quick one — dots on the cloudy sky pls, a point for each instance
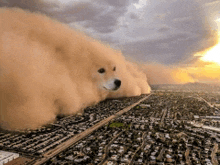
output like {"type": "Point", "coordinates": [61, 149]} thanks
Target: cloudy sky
{"type": "Point", "coordinates": [169, 32]}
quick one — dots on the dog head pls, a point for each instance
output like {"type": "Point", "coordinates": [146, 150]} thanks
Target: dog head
{"type": "Point", "coordinates": [108, 80]}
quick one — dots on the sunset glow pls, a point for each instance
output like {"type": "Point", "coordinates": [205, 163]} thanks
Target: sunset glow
{"type": "Point", "coordinates": [207, 68]}
{"type": "Point", "coordinates": [212, 55]}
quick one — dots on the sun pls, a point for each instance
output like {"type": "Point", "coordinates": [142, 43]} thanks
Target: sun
{"type": "Point", "coordinates": [212, 55]}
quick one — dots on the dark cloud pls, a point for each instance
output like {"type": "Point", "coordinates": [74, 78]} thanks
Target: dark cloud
{"type": "Point", "coordinates": [32, 5]}
{"type": "Point", "coordinates": [168, 31]}
{"type": "Point", "coordinates": [171, 50]}
{"type": "Point", "coordinates": [163, 29]}
{"type": "Point", "coordinates": [116, 3]}
{"type": "Point", "coordinates": [107, 19]}
{"type": "Point", "coordinates": [133, 16]}
{"type": "Point", "coordinates": [78, 12]}
{"type": "Point", "coordinates": [183, 15]}
{"type": "Point", "coordinates": [101, 16]}
{"type": "Point", "coordinates": [184, 28]}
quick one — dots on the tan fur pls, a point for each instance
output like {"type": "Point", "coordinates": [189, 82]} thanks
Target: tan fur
{"type": "Point", "coordinates": [47, 68]}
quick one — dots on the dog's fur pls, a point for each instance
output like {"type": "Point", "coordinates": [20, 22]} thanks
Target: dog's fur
{"type": "Point", "coordinates": [47, 68]}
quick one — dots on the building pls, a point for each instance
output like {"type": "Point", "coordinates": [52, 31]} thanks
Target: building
{"type": "Point", "coordinates": [6, 157]}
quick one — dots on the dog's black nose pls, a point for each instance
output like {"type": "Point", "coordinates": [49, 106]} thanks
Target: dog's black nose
{"type": "Point", "coordinates": [117, 83]}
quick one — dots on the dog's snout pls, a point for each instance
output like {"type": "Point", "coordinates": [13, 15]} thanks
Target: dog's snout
{"type": "Point", "coordinates": [113, 84]}
{"type": "Point", "coordinates": [117, 83]}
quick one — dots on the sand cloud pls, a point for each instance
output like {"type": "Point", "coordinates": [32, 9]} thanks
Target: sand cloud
{"type": "Point", "coordinates": [161, 74]}
{"type": "Point", "coordinates": [48, 69]}
{"type": "Point", "coordinates": [36, 91]}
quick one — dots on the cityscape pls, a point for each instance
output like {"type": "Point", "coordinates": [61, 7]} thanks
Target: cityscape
{"type": "Point", "coordinates": [172, 125]}
{"type": "Point", "coordinates": [109, 82]}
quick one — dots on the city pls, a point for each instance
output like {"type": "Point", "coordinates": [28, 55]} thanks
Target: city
{"type": "Point", "coordinates": [169, 126]}
{"type": "Point", "coordinates": [109, 82]}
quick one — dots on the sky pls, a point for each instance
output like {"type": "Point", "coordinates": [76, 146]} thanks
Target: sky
{"type": "Point", "coordinates": [166, 32]}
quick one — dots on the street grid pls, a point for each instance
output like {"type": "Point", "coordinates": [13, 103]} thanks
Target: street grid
{"type": "Point", "coordinates": [160, 130]}
{"type": "Point", "coordinates": [173, 125]}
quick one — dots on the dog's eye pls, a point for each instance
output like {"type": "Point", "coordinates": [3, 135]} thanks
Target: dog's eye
{"type": "Point", "coordinates": [101, 70]}
{"type": "Point", "coordinates": [114, 68]}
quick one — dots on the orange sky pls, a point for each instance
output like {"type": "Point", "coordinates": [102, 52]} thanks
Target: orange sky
{"type": "Point", "coordinates": [206, 69]}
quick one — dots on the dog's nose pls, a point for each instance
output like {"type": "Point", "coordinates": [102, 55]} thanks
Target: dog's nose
{"type": "Point", "coordinates": [117, 83]}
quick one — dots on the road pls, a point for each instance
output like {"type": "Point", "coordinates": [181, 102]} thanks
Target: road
{"type": "Point", "coordinates": [78, 137]}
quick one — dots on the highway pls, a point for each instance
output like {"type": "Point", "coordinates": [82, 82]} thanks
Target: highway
{"type": "Point", "coordinates": [80, 136]}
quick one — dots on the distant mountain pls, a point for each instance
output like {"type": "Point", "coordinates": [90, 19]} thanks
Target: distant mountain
{"type": "Point", "coordinates": [199, 84]}
{"type": "Point", "coordinates": [196, 86]}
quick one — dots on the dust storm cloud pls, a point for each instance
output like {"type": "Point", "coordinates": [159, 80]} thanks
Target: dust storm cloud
{"type": "Point", "coordinates": [48, 69]}
{"type": "Point", "coordinates": [161, 74]}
